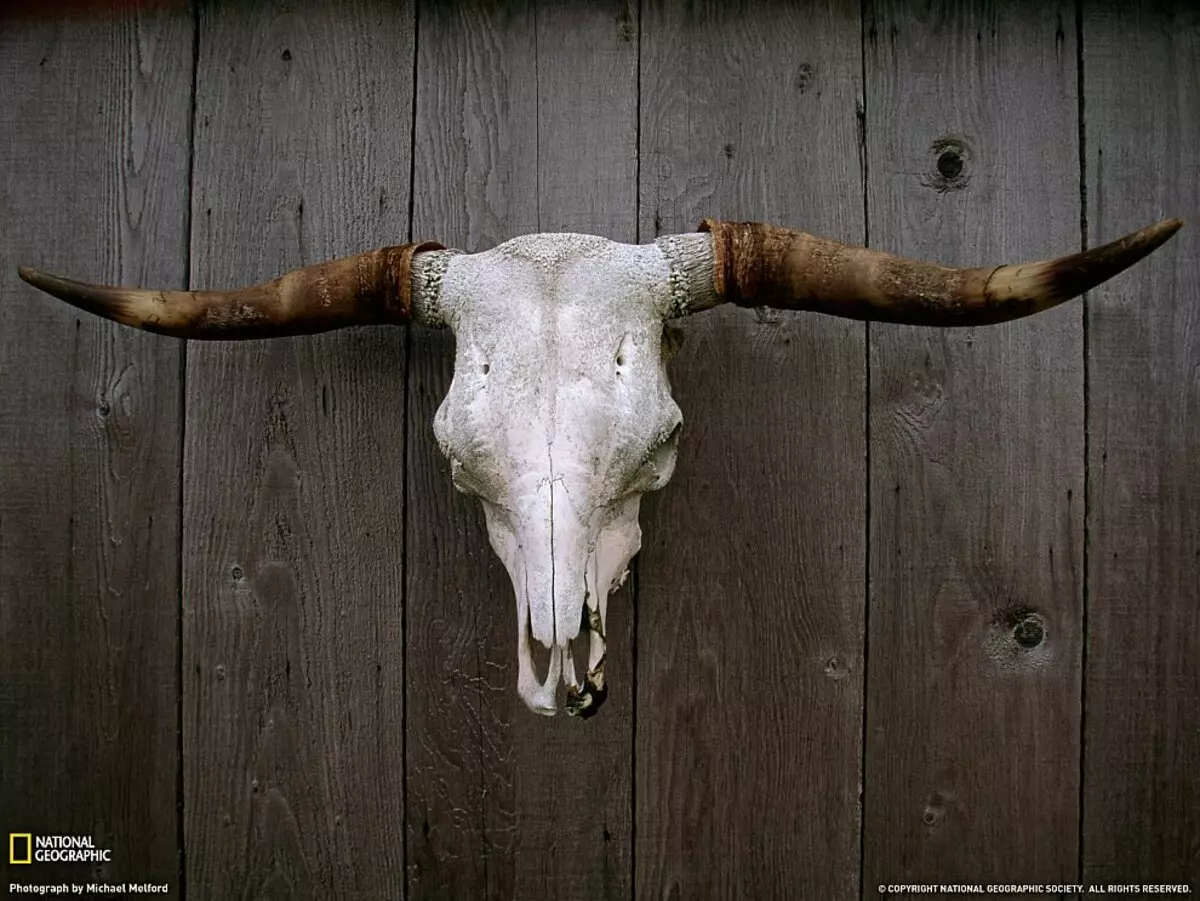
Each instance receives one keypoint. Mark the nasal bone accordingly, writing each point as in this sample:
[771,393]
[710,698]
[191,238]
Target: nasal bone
[556,588]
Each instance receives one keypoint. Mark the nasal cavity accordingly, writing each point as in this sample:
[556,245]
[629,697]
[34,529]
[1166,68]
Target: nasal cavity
[580,646]
[539,654]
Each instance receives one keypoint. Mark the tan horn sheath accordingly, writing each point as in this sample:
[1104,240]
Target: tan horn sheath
[372,288]
[764,265]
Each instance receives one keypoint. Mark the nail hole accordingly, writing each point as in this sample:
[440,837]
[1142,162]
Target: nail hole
[286,56]
[487,367]
[836,668]
[237,573]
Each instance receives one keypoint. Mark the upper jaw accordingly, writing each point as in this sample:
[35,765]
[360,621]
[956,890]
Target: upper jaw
[541,696]
[557,605]
[604,572]
[575,614]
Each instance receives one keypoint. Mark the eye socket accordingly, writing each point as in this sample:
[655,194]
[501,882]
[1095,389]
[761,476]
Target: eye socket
[463,479]
[667,439]
[659,463]
[475,483]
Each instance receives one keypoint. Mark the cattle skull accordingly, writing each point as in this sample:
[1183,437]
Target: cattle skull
[560,415]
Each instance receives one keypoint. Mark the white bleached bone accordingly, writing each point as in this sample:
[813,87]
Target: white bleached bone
[559,418]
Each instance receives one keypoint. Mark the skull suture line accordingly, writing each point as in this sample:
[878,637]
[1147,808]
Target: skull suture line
[560,416]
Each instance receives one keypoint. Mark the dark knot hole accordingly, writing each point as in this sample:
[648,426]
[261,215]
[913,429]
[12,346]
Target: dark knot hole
[950,164]
[1030,631]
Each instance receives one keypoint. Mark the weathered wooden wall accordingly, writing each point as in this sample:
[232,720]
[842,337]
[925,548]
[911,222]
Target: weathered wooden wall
[977,463]
[918,606]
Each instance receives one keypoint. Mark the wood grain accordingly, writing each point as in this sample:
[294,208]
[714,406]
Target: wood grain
[973,694]
[93,181]
[1141,778]
[293,531]
[751,595]
[526,122]
[312,634]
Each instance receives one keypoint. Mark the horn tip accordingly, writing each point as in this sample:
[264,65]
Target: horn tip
[1167,227]
[53,285]
[1154,236]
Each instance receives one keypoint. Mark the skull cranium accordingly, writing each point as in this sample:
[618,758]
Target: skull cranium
[565,332]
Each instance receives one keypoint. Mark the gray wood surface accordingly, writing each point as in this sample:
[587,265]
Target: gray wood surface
[93,182]
[975,621]
[1141,778]
[293,529]
[253,641]
[751,594]
[526,121]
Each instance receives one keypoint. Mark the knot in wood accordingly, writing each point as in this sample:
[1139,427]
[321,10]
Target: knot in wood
[1029,631]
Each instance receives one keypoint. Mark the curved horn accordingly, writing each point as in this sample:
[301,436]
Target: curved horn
[373,288]
[763,265]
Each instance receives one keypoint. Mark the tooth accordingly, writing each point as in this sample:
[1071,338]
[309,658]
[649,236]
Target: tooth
[584,702]
[568,662]
[596,610]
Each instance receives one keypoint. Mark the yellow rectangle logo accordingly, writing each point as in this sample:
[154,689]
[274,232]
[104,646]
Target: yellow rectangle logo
[15,852]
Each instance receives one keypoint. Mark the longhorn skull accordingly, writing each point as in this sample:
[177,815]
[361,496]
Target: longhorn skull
[560,415]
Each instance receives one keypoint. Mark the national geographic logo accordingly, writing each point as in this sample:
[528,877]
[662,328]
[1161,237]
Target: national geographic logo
[25,847]
[20,847]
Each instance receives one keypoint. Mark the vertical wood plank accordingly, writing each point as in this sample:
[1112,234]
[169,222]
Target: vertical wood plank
[526,122]
[1141,779]
[475,178]
[750,592]
[93,183]
[973,694]
[293,530]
